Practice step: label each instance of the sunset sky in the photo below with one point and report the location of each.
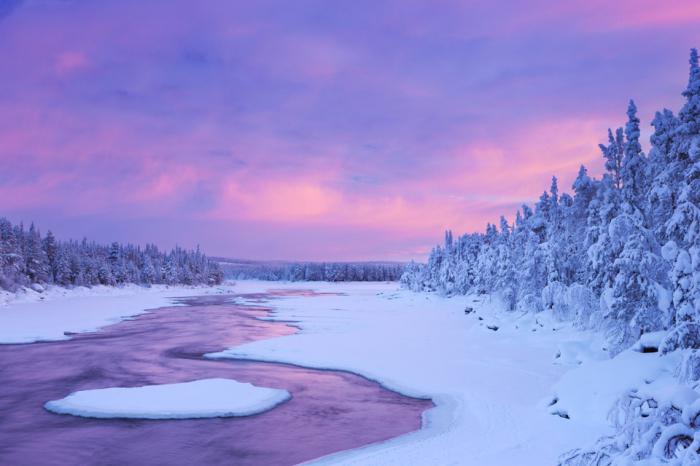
(336, 130)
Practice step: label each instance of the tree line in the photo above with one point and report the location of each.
(27, 258)
(313, 271)
(622, 254)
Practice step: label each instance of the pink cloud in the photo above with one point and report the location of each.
(159, 185)
(605, 15)
(68, 62)
(278, 201)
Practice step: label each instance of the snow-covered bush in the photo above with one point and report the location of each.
(582, 304)
(683, 336)
(688, 369)
(652, 428)
(529, 303)
(554, 299)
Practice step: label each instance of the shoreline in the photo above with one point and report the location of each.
(209, 323)
(473, 408)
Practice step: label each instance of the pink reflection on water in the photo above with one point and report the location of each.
(329, 411)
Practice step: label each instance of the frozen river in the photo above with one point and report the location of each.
(329, 411)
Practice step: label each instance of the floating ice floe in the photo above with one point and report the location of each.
(204, 398)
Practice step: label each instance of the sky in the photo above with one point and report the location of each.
(316, 130)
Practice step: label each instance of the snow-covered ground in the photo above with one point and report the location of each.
(189, 400)
(30, 316)
(509, 388)
(503, 395)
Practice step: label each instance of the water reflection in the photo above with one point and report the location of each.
(329, 411)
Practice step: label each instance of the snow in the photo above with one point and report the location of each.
(31, 316)
(662, 442)
(491, 388)
(651, 340)
(197, 399)
(523, 394)
(588, 393)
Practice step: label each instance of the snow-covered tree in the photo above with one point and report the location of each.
(27, 258)
(602, 243)
(614, 154)
(633, 170)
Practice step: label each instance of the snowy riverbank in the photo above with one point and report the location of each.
(328, 411)
(509, 388)
(522, 394)
(52, 314)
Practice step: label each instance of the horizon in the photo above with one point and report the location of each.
(347, 134)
